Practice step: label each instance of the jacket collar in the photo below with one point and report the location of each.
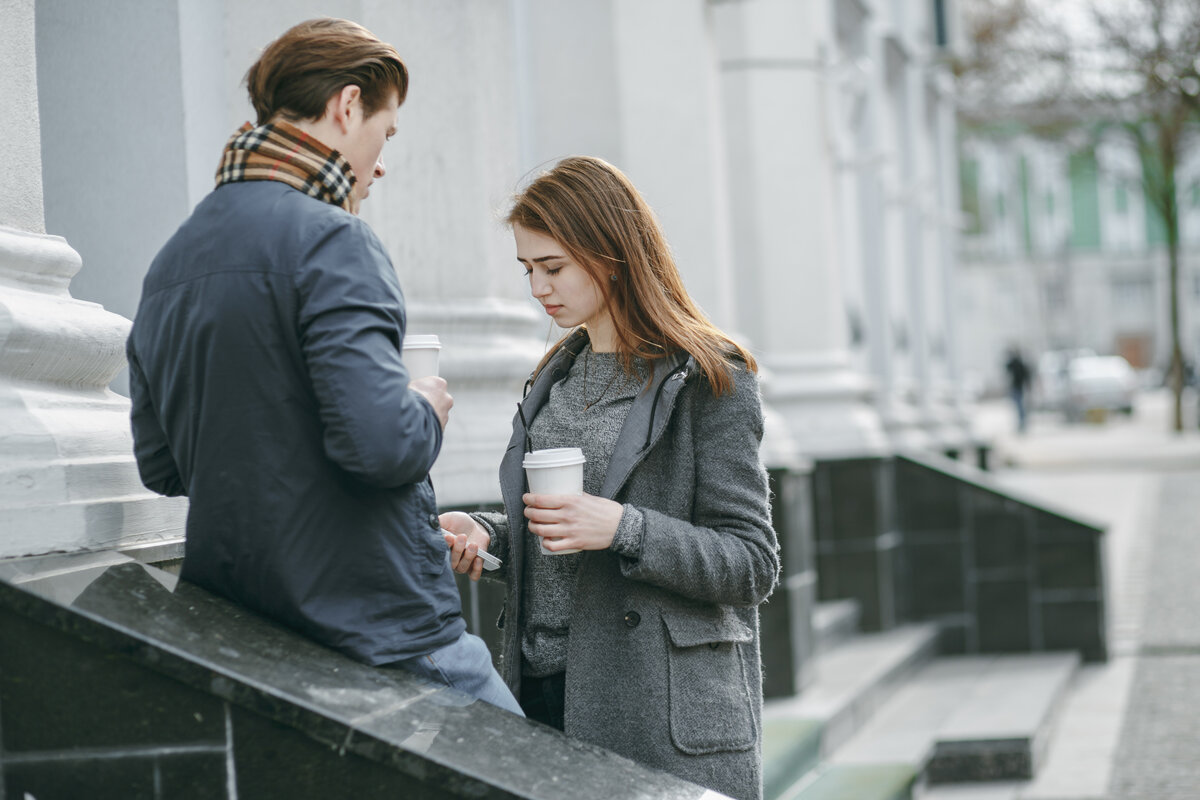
(647, 419)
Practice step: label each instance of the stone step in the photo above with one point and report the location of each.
(857, 782)
(1000, 731)
(791, 750)
(853, 680)
(835, 622)
(975, 791)
(968, 718)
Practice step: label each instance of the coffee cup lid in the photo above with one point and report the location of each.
(554, 457)
(422, 340)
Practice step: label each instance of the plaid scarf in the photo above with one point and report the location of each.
(281, 152)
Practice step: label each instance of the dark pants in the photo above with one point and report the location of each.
(543, 699)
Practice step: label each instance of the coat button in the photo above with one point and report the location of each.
(433, 521)
(632, 619)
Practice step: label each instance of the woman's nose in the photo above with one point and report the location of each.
(538, 286)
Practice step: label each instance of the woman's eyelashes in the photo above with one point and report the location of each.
(551, 271)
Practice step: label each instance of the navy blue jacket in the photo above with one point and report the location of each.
(267, 386)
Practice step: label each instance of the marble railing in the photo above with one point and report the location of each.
(117, 680)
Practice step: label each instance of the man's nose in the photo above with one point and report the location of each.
(380, 169)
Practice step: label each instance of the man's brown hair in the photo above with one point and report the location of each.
(297, 73)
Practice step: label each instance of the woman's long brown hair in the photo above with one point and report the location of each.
(593, 211)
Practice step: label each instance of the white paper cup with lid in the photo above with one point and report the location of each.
(420, 355)
(557, 470)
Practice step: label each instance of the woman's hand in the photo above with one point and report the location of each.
(573, 521)
(465, 537)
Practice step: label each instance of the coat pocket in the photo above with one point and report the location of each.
(708, 693)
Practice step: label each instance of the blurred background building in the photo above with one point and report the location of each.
(1062, 251)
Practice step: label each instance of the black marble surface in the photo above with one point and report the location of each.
(785, 620)
(163, 662)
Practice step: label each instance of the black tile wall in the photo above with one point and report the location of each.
(1000, 538)
(1002, 609)
(1067, 565)
(938, 580)
(853, 497)
(856, 575)
(193, 777)
(1075, 625)
(1025, 578)
(786, 634)
(84, 698)
(791, 516)
(101, 779)
(272, 761)
(928, 501)
(306, 722)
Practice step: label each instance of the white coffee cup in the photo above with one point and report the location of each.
(420, 354)
(557, 470)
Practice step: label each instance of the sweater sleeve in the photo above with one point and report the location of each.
(496, 524)
(727, 552)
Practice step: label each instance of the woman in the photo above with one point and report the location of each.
(646, 642)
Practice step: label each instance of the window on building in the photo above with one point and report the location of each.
(1056, 295)
(1131, 292)
(1120, 198)
(968, 177)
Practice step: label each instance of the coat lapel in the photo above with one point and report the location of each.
(512, 474)
(651, 407)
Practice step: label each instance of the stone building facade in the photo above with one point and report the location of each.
(800, 156)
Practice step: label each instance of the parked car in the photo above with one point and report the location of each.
(1099, 382)
(1050, 387)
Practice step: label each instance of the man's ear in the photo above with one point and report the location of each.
(342, 107)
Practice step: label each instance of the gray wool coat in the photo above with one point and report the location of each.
(663, 661)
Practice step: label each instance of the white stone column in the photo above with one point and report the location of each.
(67, 476)
(899, 256)
(451, 171)
(774, 59)
(610, 88)
(943, 221)
(673, 143)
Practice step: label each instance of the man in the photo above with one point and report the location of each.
(1018, 383)
(267, 382)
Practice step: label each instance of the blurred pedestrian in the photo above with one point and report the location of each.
(1018, 386)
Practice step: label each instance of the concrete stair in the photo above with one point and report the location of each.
(834, 622)
(887, 720)
(854, 678)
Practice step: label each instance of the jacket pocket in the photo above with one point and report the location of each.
(708, 693)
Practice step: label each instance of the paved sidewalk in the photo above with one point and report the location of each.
(1131, 728)
(1159, 754)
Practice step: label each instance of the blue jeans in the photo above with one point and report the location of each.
(465, 665)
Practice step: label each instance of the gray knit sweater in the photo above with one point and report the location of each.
(587, 410)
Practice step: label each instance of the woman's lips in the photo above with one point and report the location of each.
(552, 310)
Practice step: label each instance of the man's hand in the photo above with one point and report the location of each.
(433, 389)
(465, 537)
